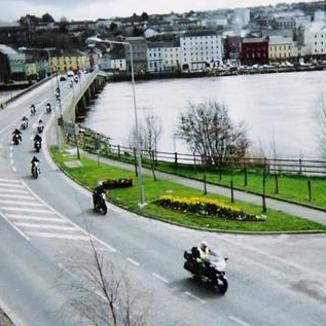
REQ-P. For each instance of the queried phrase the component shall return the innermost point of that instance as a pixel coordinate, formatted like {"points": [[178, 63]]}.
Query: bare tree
{"points": [[149, 134], [102, 294], [207, 129]]}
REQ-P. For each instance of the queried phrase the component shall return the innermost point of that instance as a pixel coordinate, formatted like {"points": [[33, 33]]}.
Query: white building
{"points": [[163, 56], [315, 39], [110, 62], [200, 50], [320, 16]]}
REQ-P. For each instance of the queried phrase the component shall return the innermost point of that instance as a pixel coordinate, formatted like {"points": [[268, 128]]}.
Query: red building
{"points": [[254, 51]]}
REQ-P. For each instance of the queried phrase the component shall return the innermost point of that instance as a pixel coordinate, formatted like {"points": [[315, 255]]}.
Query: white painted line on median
{"points": [[46, 226], [194, 297], [11, 196], [161, 278], [14, 191], [15, 228], [57, 236], [26, 210], [88, 234], [35, 218], [238, 321], [4, 184], [10, 181], [20, 203], [133, 261]]}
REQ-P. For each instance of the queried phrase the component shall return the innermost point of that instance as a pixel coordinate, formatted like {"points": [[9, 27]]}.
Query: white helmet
{"points": [[203, 245]]}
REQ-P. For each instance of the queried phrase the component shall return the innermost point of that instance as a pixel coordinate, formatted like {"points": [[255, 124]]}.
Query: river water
{"points": [[278, 109]]}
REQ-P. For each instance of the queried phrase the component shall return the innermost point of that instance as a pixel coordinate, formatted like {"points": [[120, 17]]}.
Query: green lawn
{"points": [[90, 173]]}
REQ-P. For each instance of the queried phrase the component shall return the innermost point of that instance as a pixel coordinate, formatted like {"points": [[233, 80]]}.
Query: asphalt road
{"points": [[45, 230]]}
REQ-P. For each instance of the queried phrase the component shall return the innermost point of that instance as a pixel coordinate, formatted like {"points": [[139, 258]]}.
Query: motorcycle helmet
{"points": [[203, 245]]}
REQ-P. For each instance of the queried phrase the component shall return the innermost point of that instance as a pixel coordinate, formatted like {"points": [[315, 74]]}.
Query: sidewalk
{"points": [[294, 209]]}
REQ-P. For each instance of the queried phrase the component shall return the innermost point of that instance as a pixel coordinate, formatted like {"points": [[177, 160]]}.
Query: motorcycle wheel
{"points": [[222, 284], [104, 209]]}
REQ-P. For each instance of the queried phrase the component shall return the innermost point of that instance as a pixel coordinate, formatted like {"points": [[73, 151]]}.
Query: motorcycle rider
{"points": [[48, 107], [36, 139], [24, 123], [17, 134], [98, 192], [33, 109], [40, 126], [35, 162]]}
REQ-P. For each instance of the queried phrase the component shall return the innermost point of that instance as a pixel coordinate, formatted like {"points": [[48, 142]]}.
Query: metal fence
{"points": [[95, 142]]}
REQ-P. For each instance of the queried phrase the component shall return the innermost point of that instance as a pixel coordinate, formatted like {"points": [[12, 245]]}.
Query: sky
{"points": [[11, 10]]}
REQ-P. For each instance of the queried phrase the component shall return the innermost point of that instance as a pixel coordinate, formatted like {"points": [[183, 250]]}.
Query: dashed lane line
{"points": [[133, 261], [161, 278], [238, 321], [195, 297]]}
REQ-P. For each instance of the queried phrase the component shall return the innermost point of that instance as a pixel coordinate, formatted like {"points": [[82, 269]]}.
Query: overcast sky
{"points": [[11, 10]]}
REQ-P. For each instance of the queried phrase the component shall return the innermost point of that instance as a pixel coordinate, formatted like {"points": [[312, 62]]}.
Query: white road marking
{"points": [[15, 191], [57, 236], [14, 168], [20, 203], [238, 321], [11, 154], [133, 261], [26, 210], [88, 234], [194, 297], [67, 271], [46, 226], [12, 161], [15, 228], [35, 218], [2, 195], [161, 278], [5, 184], [10, 181]]}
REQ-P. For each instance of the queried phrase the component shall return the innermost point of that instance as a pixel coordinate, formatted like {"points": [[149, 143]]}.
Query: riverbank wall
{"points": [[218, 73]]}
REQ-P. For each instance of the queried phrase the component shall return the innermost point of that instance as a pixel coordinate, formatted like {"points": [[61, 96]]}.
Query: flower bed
{"points": [[117, 183], [205, 207]]}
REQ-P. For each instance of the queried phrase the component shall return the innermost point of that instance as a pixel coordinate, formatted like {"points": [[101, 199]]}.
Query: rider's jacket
{"points": [[204, 255]]}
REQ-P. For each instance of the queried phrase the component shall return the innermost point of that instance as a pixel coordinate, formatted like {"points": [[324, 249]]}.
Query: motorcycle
{"points": [[99, 203], [33, 110], [35, 170], [40, 129], [48, 108], [211, 271], [16, 139], [37, 145], [24, 125]]}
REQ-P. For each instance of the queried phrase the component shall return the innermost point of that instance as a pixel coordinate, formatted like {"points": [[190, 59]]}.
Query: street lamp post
{"points": [[138, 149]]}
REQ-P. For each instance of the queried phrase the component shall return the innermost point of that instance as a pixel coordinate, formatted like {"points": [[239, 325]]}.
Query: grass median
{"points": [[89, 173]]}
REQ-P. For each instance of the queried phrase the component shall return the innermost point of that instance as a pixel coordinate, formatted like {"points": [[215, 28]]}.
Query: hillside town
{"points": [[285, 36]]}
